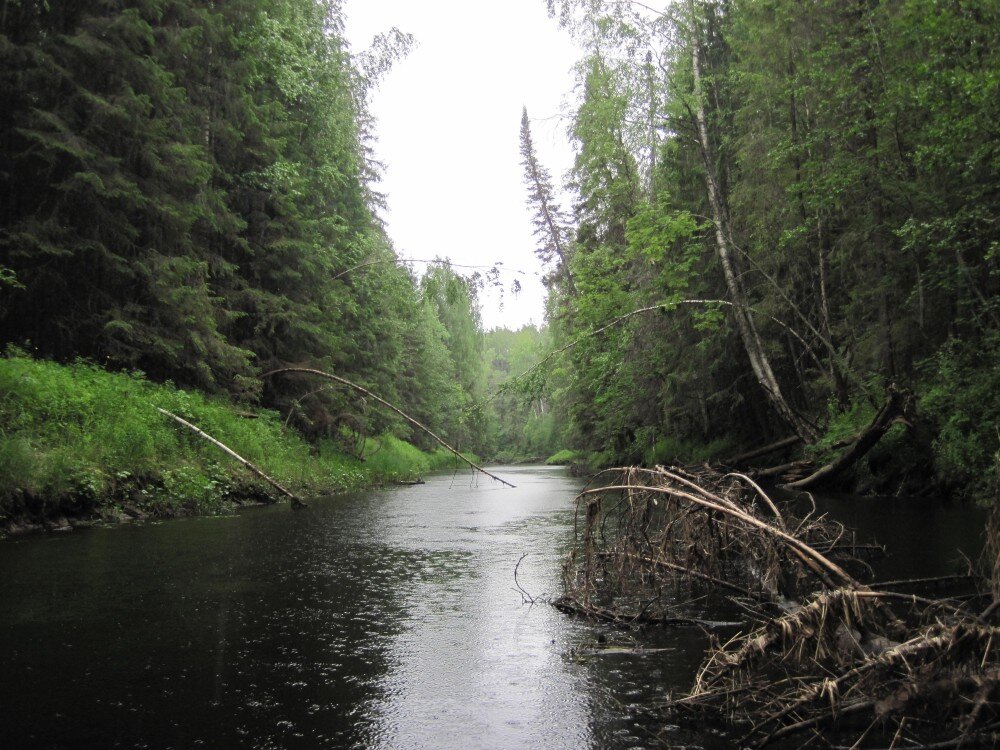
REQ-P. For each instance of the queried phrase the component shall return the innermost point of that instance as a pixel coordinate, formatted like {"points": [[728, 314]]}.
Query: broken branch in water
{"points": [[296, 502], [825, 652], [526, 598], [396, 409]]}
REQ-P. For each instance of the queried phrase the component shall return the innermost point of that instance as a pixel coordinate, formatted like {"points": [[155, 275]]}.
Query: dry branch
{"points": [[763, 450], [644, 529], [781, 469], [833, 656], [296, 502], [396, 409]]}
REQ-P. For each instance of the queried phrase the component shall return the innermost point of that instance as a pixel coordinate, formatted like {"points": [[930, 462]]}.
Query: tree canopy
{"points": [[804, 197], [187, 188]]}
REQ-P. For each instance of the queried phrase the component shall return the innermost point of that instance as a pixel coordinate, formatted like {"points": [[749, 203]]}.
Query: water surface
{"points": [[386, 619]]}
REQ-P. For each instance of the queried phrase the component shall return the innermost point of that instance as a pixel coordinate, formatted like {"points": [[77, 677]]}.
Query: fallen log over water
{"points": [[892, 411], [821, 657]]}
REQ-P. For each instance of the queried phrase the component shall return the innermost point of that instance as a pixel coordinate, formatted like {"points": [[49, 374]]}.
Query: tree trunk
{"points": [[752, 343], [891, 412]]}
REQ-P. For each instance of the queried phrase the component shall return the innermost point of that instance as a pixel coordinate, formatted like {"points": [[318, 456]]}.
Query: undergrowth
{"points": [[670, 449], [76, 438], [566, 456]]}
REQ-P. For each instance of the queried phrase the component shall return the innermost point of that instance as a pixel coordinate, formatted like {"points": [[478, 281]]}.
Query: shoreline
{"points": [[80, 445]]}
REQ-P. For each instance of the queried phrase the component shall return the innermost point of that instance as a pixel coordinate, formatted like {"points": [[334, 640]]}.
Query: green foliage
{"points": [[459, 373], [566, 456], [843, 424], [82, 437], [852, 149], [186, 188], [526, 422], [671, 449], [961, 396], [388, 456]]}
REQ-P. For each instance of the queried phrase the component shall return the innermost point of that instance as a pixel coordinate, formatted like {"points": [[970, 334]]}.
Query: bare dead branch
{"points": [[392, 407], [296, 502]]}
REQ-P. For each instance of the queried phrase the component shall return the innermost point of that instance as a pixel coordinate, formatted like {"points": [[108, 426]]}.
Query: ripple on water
{"points": [[385, 620]]}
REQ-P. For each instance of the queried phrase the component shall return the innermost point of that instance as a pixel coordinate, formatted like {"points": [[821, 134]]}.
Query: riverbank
{"points": [[79, 444]]}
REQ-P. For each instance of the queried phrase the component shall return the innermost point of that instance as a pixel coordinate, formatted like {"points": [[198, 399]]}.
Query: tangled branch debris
{"points": [[821, 656]]}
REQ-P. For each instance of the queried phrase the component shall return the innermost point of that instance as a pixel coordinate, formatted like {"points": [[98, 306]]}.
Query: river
{"points": [[384, 619]]}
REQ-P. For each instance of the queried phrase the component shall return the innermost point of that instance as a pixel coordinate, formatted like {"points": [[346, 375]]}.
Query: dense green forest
{"points": [[779, 214], [187, 190], [773, 267], [786, 209]]}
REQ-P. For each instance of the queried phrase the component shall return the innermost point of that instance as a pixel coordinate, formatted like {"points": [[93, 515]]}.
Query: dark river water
{"points": [[386, 619]]}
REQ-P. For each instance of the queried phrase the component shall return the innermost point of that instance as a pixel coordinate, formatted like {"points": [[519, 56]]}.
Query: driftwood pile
{"points": [[820, 657]]}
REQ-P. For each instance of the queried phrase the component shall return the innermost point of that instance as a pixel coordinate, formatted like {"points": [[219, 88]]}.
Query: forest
{"points": [[772, 268], [780, 214], [187, 193]]}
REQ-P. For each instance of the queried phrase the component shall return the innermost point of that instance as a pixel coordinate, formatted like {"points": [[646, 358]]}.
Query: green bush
{"points": [[77, 433], [960, 396], [388, 458], [841, 427], [670, 449], [444, 460], [565, 456]]}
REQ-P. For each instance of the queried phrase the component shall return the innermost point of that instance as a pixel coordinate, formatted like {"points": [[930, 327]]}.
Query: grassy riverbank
{"points": [[78, 441]]}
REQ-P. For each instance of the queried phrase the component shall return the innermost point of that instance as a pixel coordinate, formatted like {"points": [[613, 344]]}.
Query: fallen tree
{"points": [[820, 656], [293, 498], [892, 412], [365, 392], [763, 450]]}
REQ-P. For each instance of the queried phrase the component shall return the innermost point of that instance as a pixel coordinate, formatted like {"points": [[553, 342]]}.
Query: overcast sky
{"points": [[449, 122]]}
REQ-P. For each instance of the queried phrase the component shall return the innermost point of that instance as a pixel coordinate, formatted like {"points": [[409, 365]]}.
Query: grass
{"points": [[566, 456], [670, 449], [389, 457], [76, 438]]}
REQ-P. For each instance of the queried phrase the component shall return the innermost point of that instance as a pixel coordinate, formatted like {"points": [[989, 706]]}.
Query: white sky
{"points": [[448, 132]]}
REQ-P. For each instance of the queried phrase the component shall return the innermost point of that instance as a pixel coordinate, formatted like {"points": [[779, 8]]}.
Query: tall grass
{"points": [[76, 436]]}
